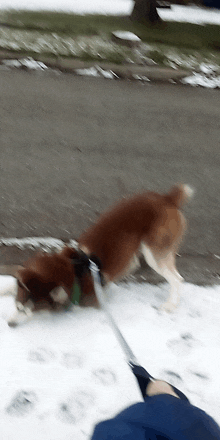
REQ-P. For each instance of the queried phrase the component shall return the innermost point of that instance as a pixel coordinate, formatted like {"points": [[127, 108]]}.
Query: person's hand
{"points": [[159, 387]]}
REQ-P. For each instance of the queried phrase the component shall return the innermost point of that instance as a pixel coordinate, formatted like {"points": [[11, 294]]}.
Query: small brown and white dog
{"points": [[148, 223]]}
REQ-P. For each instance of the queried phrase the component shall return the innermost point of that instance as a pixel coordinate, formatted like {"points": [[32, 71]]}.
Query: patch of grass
{"points": [[170, 33], [87, 48], [157, 56], [115, 58], [60, 22], [184, 58], [88, 38]]}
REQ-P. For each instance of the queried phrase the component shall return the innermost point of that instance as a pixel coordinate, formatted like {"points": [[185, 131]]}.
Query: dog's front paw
{"points": [[168, 307]]}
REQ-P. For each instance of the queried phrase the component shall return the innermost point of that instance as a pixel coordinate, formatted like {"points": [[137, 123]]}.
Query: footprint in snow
{"points": [[172, 377], [199, 375], [104, 376], [193, 313], [41, 355], [183, 345], [22, 403], [199, 379], [196, 383], [72, 360], [70, 413], [74, 409]]}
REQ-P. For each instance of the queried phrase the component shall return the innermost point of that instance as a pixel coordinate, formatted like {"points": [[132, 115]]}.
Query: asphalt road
{"points": [[70, 146]]}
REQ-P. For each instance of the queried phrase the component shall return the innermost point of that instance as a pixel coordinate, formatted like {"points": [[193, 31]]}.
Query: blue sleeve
{"points": [[162, 417]]}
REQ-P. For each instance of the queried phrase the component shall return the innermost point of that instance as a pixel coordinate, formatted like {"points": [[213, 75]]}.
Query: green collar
{"points": [[76, 293]]}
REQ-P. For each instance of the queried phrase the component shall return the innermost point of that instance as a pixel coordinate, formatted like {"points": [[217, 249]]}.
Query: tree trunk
{"points": [[145, 10]]}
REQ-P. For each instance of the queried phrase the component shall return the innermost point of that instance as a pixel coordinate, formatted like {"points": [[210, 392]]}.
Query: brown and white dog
{"points": [[148, 223]]}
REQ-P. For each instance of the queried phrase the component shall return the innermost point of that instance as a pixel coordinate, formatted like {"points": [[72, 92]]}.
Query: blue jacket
{"points": [[161, 417]]}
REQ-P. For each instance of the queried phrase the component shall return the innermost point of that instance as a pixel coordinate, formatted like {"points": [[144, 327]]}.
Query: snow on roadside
{"points": [[199, 79], [191, 14], [44, 243]]}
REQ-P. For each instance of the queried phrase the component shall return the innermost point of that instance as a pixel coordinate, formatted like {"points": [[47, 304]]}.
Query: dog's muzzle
{"points": [[23, 312]]}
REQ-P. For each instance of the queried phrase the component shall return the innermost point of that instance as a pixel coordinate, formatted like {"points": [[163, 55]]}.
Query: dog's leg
{"points": [[134, 264], [150, 259], [59, 295], [164, 265], [170, 273]]}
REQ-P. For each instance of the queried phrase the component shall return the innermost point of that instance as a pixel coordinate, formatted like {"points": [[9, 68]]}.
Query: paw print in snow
{"points": [[104, 376], [41, 355], [72, 360], [172, 377], [183, 345], [22, 404], [75, 408]]}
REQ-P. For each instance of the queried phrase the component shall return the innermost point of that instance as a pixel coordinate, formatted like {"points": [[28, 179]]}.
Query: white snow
{"points": [[29, 63], [63, 373], [126, 35], [45, 243], [79, 7], [191, 14], [199, 79]]}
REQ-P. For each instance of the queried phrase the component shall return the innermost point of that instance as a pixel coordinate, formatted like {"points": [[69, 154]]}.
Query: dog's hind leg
{"points": [[170, 273], [164, 265]]}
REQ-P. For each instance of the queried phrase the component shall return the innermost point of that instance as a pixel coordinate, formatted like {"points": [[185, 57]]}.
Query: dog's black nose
{"points": [[12, 324]]}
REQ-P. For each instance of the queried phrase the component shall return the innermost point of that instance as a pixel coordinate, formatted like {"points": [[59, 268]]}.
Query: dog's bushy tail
{"points": [[179, 194]]}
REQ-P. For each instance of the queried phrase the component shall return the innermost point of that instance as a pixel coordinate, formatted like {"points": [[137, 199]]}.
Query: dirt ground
{"points": [[71, 146]]}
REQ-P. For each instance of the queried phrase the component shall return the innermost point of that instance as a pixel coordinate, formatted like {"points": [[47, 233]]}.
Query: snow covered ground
{"points": [[63, 373], [191, 14]]}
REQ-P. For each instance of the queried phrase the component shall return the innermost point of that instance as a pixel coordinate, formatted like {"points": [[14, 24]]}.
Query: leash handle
{"points": [[142, 376]]}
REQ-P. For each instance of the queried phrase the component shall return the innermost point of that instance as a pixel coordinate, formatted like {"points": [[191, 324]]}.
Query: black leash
{"points": [[142, 375]]}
